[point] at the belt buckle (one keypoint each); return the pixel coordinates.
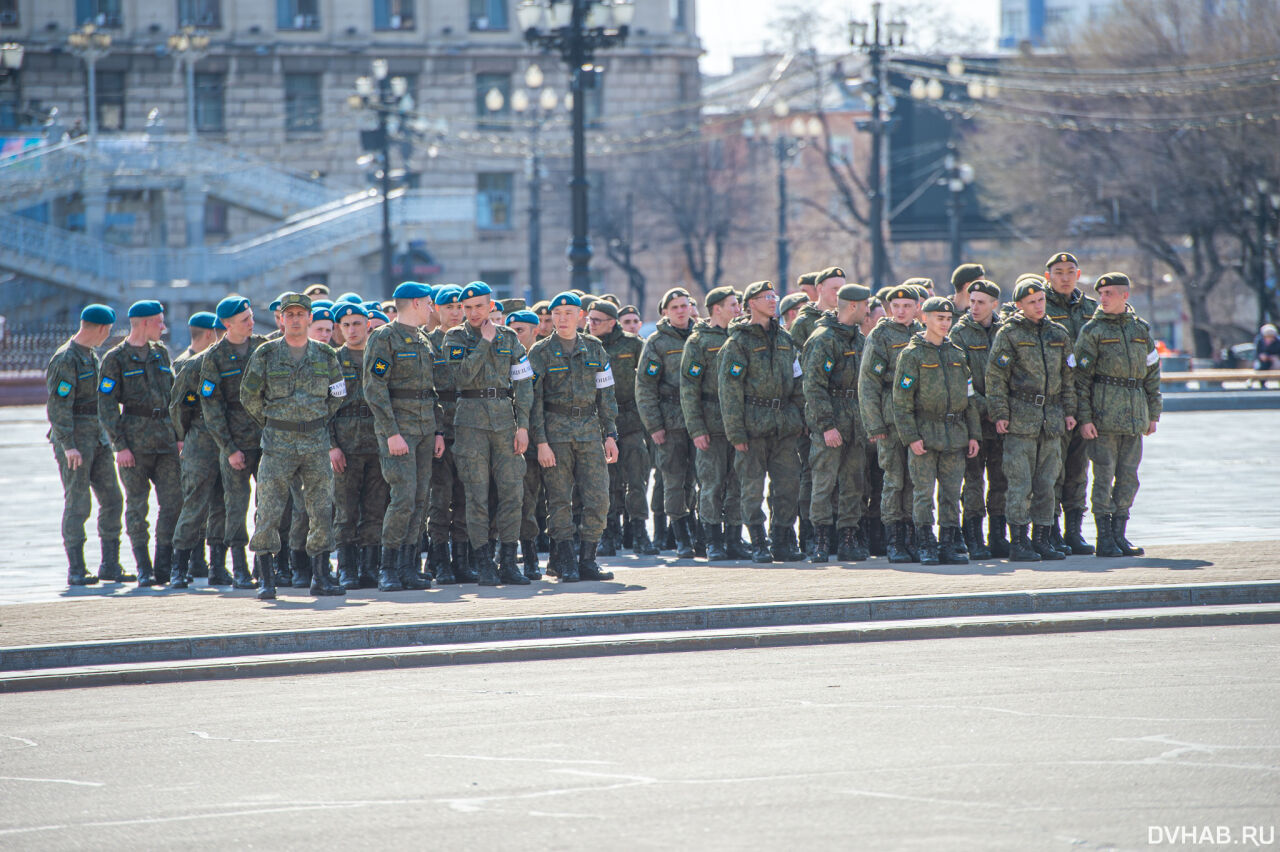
(156, 413)
(1039, 400)
(775, 404)
(1131, 383)
(490, 393)
(575, 411)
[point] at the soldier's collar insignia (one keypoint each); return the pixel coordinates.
(380, 367)
(107, 385)
(64, 388)
(907, 381)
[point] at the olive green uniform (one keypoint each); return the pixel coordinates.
(719, 493)
(831, 361)
(875, 401)
(447, 516)
(221, 372)
(1072, 312)
(975, 341)
(203, 516)
(806, 323)
(629, 476)
(658, 398)
(360, 492)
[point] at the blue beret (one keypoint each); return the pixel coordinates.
(98, 315)
(204, 319)
(412, 290)
(321, 303)
(377, 314)
(523, 316)
(373, 305)
(321, 314)
(145, 308)
(565, 298)
(448, 294)
(274, 306)
(231, 306)
(345, 308)
(353, 298)
(475, 288)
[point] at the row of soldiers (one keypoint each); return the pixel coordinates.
(854, 408)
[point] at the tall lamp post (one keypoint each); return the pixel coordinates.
(189, 46)
(956, 177)
(787, 143)
(1266, 208)
(874, 39)
(90, 45)
(576, 29)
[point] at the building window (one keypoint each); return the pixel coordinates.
(211, 110)
(679, 16)
(206, 14)
(110, 100)
(8, 13)
(1014, 24)
(102, 13)
(485, 83)
(493, 200)
(215, 218)
(298, 14)
(393, 14)
(501, 281)
(488, 15)
(302, 103)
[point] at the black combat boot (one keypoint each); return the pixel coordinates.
(697, 535)
(784, 547)
(322, 582)
(927, 545)
(896, 546)
(874, 535)
(733, 543)
(609, 540)
(299, 570)
(76, 573)
(640, 543)
(1055, 538)
(543, 543)
(716, 550)
(1118, 524)
(181, 569)
(1107, 546)
(409, 568)
(218, 575)
(240, 578)
(997, 543)
(807, 537)
(508, 569)
(1073, 535)
(199, 567)
(529, 558)
(588, 568)
(163, 564)
(284, 574)
(1020, 549)
(464, 569)
(438, 559)
(349, 566)
(659, 530)
(370, 557)
(948, 550)
(266, 565)
(1041, 535)
(482, 562)
(389, 572)
(852, 548)
(684, 540)
(973, 537)
(624, 538)
(909, 541)
(110, 570)
(821, 542)
(565, 561)
(444, 572)
(759, 544)
(142, 559)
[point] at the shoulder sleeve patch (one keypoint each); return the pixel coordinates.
(735, 369)
(652, 369)
(379, 367)
(64, 388)
(1003, 359)
(695, 369)
(457, 353)
(107, 385)
(907, 381)
(207, 388)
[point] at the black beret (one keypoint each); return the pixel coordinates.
(1061, 257)
(829, 272)
(986, 287)
(853, 293)
(671, 295)
(965, 274)
(716, 295)
(1113, 279)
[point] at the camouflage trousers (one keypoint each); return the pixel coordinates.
(97, 475)
(675, 462)
(806, 476)
(1115, 473)
(408, 479)
(776, 457)
(838, 482)
(629, 477)
(1073, 481)
(275, 475)
(989, 462)
(164, 472)
(235, 495)
(482, 454)
(360, 498)
(895, 490)
(1031, 465)
(447, 518)
(293, 523)
(874, 479)
(719, 492)
(945, 470)
(534, 494)
(580, 468)
(204, 513)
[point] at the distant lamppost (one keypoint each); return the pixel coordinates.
(189, 46)
(955, 177)
(576, 29)
(787, 142)
(90, 45)
(875, 40)
(1266, 209)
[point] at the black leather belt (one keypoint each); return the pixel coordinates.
(85, 408)
(405, 393)
(570, 410)
(761, 402)
(143, 411)
(355, 411)
(447, 395)
(291, 426)
(1116, 381)
(1033, 398)
(485, 393)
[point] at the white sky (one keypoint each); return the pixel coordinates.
(741, 27)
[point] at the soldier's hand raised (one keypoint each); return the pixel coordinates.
(832, 438)
(397, 445)
(546, 458)
(487, 330)
(74, 459)
(917, 447)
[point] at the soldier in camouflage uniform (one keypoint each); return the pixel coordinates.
(134, 387)
(875, 401)
(837, 449)
(292, 387)
(790, 306)
(658, 400)
(525, 325)
(931, 395)
(719, 493)
(1117, 378)
(84, 459)
(572, 423)
(1032, 399)
(762, 403)
(203, 516)
(491, 372)
(237, 435)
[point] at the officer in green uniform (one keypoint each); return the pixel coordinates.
(719, 493)
(204, 514)
(1071, 308)
(1031, 397)
(525, 325)
(658, 399)
(875, 401)
(293, 386)
(931, 405)
(84, 459)
(974, 333)
(237, 435)
(762, 403)
(134, 388)
(491, 372)
(1117, 378)
(572, 423)
(837, 450)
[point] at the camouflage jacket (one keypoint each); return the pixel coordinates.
(1071, 311)
(1117, 374)
(72, 380)
(806, 323)
(760, 391)
(1029, 381)
(875, 375)
(572, 391)
(931, 391)
(624, 349)
(134, 387)
(221, 371)
(975, 340)
(399, 383)
(497, 368)
(185, 412)
(445, 390)
(700, 380)
(831, 359)
(293, 399)
(658, 377)
(351, 429)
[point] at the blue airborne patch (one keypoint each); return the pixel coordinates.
(380, 367)
(207, 388)
(107, 385)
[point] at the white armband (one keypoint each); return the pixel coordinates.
(1152, 357)
(796, 372)
(604, 378)
(521, 370)
(1071, 360)
(969, 391)
(338, 389)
